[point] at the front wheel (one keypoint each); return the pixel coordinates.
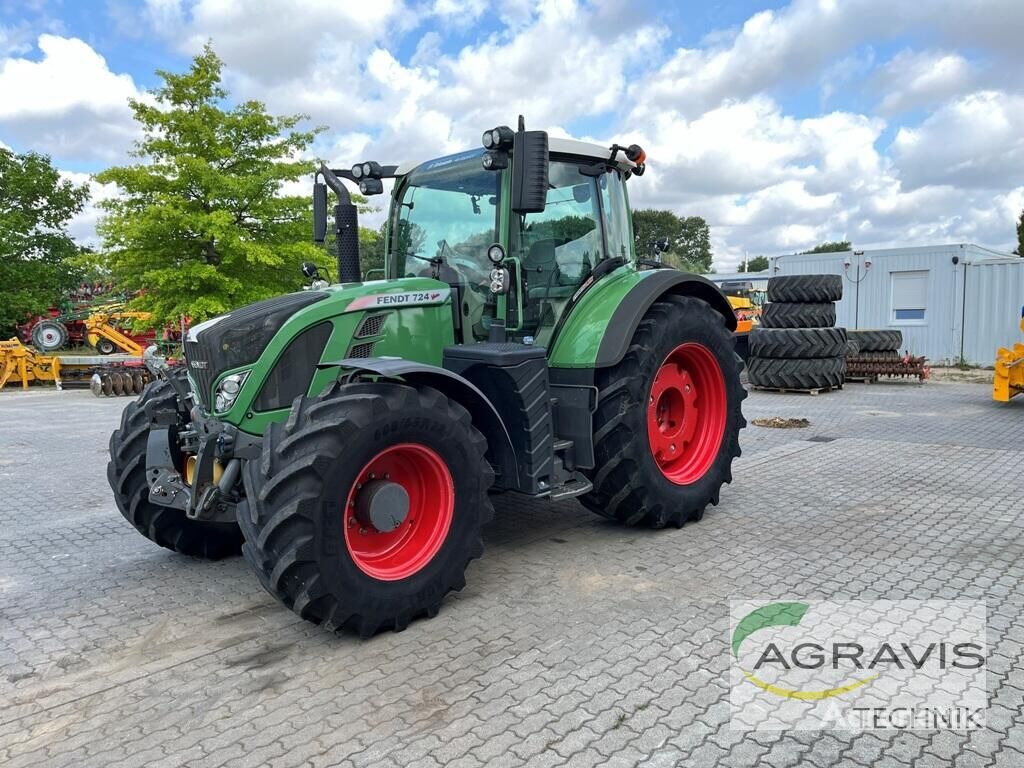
(367, 505)
(667, 424)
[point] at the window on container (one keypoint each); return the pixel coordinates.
(909, 296)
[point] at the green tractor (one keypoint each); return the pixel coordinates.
(347, 437)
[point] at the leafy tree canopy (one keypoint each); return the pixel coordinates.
(756, 264)
(689, 238)
(36, 253)
(1020, 235)
(831, 247)
(201, 225)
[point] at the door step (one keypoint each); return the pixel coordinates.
(577, 486)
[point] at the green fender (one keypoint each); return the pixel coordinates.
(601, 324)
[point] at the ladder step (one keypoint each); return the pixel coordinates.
(575, 487)
(562, 445)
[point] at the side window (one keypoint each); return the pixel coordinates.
(558, 247)
(909, 296)
(616, 215)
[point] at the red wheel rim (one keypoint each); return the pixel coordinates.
(398, 554)
(686, 412)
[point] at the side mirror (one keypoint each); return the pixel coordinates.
(529, 171)
(309, 270)
(661, 245)
(319, 214)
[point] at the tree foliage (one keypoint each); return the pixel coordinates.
(36, 253)
(689, 238)
(756, 264)
(1020, 235)
(837, 246)
(201, 225)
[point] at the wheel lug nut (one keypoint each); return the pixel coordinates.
(672, 447)
(362, 531)
(351, 522)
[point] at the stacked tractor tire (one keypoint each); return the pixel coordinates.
(797, 346)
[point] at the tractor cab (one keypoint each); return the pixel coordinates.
(448, 213)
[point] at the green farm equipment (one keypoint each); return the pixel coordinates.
(347, 437)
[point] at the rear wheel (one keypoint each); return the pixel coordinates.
(106, 347)
(49, 335)
(666, 429)
(126, 473)
(367, 505)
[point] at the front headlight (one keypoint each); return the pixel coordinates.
(228, 390)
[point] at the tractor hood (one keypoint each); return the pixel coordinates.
(254, 337)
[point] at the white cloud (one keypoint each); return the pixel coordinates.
(918, 78)
(974, 141)
(68, 104)
(83, 226)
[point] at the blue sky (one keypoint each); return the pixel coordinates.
(783, 124)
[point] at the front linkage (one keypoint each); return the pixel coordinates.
(208, 450)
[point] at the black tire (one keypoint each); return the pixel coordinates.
(776, 373)
(106, 347)
(784, 314)
(126, 473)
(629, 486)
(806, 289)
(880, 340)
(852, 348)
(797, 342)
(294, 521)
(49, 335)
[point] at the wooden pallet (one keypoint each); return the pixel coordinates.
(872, 379)
(813, 391)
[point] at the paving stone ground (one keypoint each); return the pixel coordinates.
(576, 642)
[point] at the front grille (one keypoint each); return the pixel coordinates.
(362, 350)
(238, 338)
(202, 370)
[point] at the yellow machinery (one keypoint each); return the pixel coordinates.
(19, 363)
(101, 326)
(1009, 377)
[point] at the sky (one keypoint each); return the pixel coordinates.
(882, 122)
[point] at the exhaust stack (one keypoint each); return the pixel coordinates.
(346, 225)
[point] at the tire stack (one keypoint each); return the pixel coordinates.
(868, 349)
(797, 346)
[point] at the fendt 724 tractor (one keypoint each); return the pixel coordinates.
(347, 437)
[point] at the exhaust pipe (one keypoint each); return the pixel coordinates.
(346, 225)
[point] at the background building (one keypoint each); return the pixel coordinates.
(952, 302)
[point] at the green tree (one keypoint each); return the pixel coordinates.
(756, 264)
(201, 225)
(36, 253)
(1020, 235)
(831, 247)
(689, 238)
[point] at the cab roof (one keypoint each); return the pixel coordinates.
(556, 145)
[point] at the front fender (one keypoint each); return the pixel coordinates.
(500, 452)
(600, 326)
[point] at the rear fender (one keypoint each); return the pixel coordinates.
(598, 332)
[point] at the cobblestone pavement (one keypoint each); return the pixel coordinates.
(576, 642)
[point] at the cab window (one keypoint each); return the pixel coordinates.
(557, 248)
(441, 226)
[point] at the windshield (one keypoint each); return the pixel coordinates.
(441, 227)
